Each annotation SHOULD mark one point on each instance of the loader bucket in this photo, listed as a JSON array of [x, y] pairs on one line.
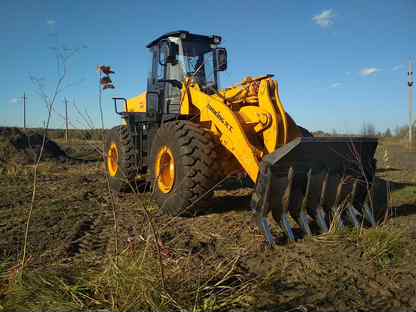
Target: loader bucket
[[319, 182]]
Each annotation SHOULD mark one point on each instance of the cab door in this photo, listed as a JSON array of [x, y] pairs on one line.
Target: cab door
[[165, 69], [155, 92], [172, 95]]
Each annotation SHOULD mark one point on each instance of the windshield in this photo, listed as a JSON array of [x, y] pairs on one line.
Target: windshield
[[198, 61]]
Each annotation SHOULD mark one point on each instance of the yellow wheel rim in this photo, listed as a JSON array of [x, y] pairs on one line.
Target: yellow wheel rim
[[112, 160], [165, 169]]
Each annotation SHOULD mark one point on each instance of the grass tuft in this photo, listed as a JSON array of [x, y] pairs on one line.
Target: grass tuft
[[381, 245], [131, 282], [42, 291]]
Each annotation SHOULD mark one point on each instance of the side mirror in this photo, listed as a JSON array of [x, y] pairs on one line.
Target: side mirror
[[167, 52], [221, 59]]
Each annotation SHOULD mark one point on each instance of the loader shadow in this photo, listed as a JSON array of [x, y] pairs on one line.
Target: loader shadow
[[404, 210], [226, 204], [91, 157], [395, 186], [234, 194], [383, 170]]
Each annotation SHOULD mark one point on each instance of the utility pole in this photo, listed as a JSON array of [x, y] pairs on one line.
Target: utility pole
[[66, 120], [24, 110], [410, 85]]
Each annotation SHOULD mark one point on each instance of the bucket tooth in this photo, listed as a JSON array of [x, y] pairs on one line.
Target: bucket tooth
[[260, 203], [352, 216], [286, 227], [302, 216], [316, 200], [303, 221], [368, 204], [282, 217], [265, 228], [369, 215], [320, 215], [353, 213], [379, 200], [320, 219], [337, 207]]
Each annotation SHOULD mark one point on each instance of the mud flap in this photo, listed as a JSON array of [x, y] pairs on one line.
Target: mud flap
[[320, 183]]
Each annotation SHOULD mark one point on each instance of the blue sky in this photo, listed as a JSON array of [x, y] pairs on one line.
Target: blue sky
[[338, 63]]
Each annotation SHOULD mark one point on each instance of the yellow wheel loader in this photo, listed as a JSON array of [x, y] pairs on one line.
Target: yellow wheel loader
[[185, 134]]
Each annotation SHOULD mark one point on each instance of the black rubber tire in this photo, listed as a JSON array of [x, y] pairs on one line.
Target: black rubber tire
[[124, 179], [197, 169], [305, 133]]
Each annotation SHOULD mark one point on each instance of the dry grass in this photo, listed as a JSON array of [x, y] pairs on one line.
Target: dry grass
[[44, 290], [129, 284], [381, 245]]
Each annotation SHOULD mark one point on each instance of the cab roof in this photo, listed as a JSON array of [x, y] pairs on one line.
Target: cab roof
[[179, 33]]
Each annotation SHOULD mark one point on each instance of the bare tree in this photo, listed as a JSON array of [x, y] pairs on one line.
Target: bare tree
[[62, 56]]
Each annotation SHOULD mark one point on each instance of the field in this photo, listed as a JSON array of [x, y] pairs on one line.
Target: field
[[77, 258]]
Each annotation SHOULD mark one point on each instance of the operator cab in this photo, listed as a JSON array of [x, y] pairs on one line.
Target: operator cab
[[175, 56]]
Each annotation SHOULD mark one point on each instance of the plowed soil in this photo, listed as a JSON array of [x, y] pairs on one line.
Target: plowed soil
[[73, 219], [22, 147]]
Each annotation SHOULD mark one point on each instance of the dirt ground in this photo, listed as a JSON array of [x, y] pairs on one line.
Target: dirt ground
[[72, 227]]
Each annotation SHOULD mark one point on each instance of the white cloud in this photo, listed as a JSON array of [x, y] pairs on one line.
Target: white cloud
[[325, 18], [335, 85], [397, 67], [13, 100], [369, 71], [51, 22]]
